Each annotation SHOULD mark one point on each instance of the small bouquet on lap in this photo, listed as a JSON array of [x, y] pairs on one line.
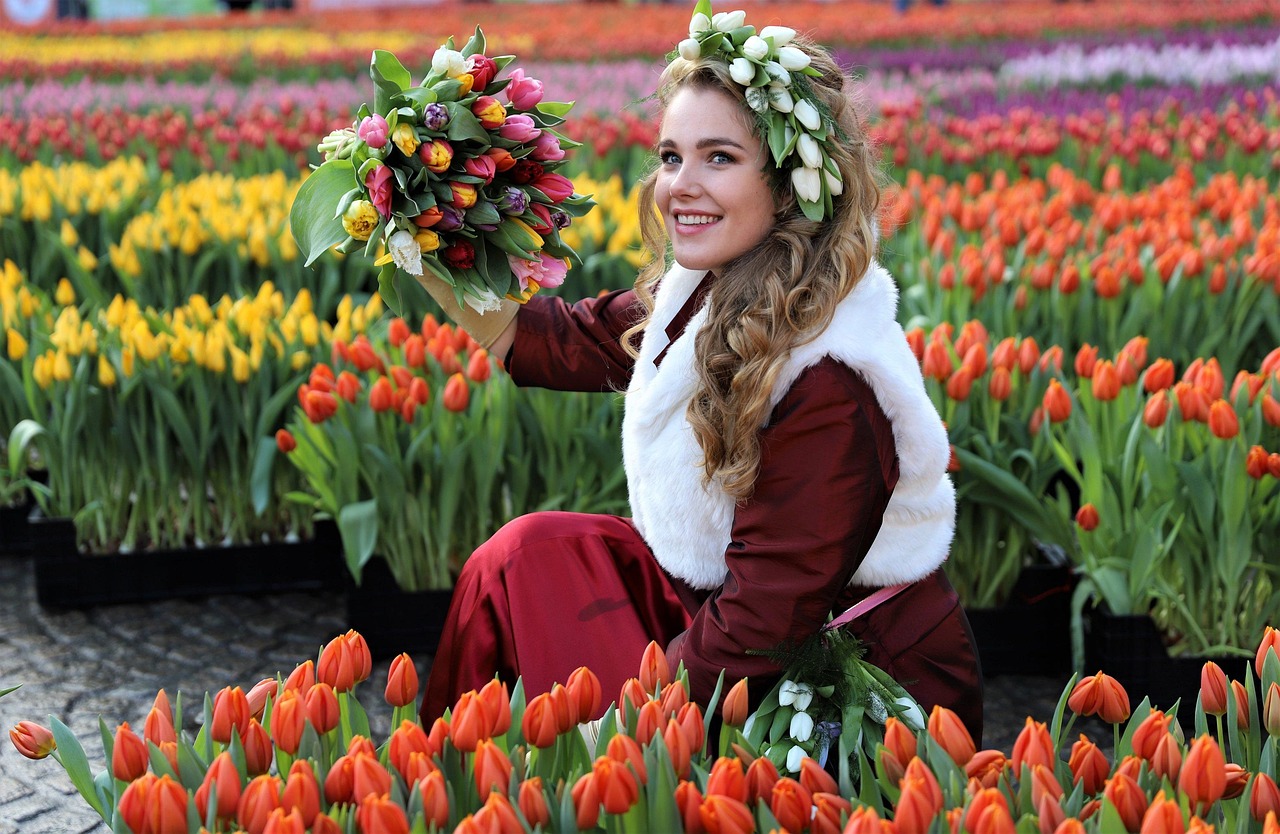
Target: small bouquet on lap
[[460, 189]]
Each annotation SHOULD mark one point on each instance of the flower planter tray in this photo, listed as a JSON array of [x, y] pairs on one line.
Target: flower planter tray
[[394, 620], [66, 578], [1031, 634], [1129, 648], [14, 537]]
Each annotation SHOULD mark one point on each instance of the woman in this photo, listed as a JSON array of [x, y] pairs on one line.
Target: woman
[[783, 461]]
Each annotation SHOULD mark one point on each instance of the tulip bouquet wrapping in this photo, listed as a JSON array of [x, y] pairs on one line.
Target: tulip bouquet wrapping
[[452, 182], [419, 451], [297, 754]]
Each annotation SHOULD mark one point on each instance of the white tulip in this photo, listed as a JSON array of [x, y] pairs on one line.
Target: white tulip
[[809, 151], [910, 713], [780, 98], [808, 115], [795, 756], [483, 301], [792, 58], [405, 251], [743, 71], [806, 183], [755, 48], [448, 62], [689, 49], [699, 23], [758, 99], [801, 726], [795, 694], [777, 73], [834, 184], [781, 35], [728, 21]]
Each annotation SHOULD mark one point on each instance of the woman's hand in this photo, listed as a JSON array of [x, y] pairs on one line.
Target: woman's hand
[[494, 329]]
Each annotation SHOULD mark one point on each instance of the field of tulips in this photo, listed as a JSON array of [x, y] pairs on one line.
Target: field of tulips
[[1085, 230]]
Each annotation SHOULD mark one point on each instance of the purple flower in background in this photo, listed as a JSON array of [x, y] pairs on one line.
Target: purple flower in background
[[513, 201], [450, 221], [435, 116]]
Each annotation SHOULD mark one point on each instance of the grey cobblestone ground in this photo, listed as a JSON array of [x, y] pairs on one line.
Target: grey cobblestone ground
[[110, 661]]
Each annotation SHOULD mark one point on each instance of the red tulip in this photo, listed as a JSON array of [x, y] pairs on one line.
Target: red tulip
[[616, 785], [623, 748], [133, 803], [1223, 421], [407, 739], [497, 705], [689, 804], [322, 708], [648, 721], [1270, 643], [1106, 381], [456, 393], [672, 697], [1156, 410], [402, 681], [1057, 402], [302, 678], [863, 820], [222, 775], [585, 694], [1265, 798], [285, 441], [258, 799], [533, 803], [435, 799], [368, 777], [727, 779], [1167, 759], [379, 815], [586, 801], [1088, 520], [382, 397], [1086, 358], [470, 722], [288, 722], [1213, 689], [1088, 765], [258, 749], [987, 767], [230, 713], [1256, 463], [492, 768], [539, 725], [760, 778], [1159, 376], [1128, 799], [1237, 780], [1000, 386], [678, 747], [339, 782], [655, 672], [1163, 817], [817, 780], [301, 792], [1148, 734], [1033, 746], [791, 804]]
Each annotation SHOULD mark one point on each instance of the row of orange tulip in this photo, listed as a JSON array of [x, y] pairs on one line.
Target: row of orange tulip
[[293, 755]]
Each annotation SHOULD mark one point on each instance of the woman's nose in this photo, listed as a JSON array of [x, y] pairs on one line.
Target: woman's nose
[[686, 182]]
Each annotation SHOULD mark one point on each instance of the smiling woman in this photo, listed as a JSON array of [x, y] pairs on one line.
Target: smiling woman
[[783, 460]]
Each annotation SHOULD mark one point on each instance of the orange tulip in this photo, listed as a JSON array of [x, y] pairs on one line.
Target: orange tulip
[[1057, 402], [1106, 381], [1256, 463], [1033, 746], [655, 671], [723, 815], [1000, 386], [533, 803], [1087, 519], [987, 766], [1148, 734], [1270, 409], [1213, 689], [540, 726], [257, 696], [585, 694], [288, 721], [829, 810], [1209, 378], [1167, 759], [435, 799], [916, 809], [1204, 775], [616, 785], [1271, 710], [1163, 817], [648, 720], [368, 777], [1044, 784], [689, 720], [672, 697], [258, 750], [980, 802], [302, 678], [339, 782], [791, 803], [498, 816], [1086, 359], [1051, 814], [946, 728], [678, 747], [497, 705], [159, 727], [1028, 355], [337, 666], [492, 768], [222, 775], [863, 820], [817, 780], [735, 708], [586, 801], [129, 756], [1271, 825], [402, 682], [1193, 403], [899, 740], [134, 801], [407, 739], [1223, 421], [359, 745], [1088, 765], [1128, 799], [1159, 376], [322, 708], [230, 713], [689, 804], [960, 383], [624, 749], [258, 799], [993, 819], [937, 362], [1270, 643], [1070, 826], [760, 778], [1101, 694], [1156, 410], [1237, 780], [456, 395], [301, 792], [379, 815], [727, 779], [470, 722], [1265, 798]]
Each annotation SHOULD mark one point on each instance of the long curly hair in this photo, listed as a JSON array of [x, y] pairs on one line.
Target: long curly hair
[[779, 295]]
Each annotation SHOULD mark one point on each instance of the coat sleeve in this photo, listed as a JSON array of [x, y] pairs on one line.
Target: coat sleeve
[[827, 468], [574, 347]]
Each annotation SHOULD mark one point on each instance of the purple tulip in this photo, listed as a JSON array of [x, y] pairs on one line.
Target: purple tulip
[[450, 220], [435, 116], [513, 201]]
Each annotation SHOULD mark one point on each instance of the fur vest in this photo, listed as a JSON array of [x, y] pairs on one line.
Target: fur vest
[[689, 525]]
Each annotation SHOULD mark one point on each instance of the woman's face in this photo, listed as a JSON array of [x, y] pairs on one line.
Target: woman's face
[[711, 188]]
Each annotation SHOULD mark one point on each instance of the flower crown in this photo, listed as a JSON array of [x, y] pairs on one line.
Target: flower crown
[[798, 128]]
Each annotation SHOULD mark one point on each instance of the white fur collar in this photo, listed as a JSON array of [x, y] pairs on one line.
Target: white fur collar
[[689, 525]]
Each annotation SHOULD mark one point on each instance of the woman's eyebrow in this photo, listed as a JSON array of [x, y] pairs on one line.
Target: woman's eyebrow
[[709, 142]]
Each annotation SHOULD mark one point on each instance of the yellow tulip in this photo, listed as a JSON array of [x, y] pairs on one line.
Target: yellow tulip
[[61, 367], [308, 329], [65, 294], [106, 373], [299, 360], [126, 361], [239, 365], [17, 345], [68, 234], [42, 371], [88, 260]]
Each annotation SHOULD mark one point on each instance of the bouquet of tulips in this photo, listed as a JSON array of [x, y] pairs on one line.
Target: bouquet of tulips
[[452, 182], [296, 754]]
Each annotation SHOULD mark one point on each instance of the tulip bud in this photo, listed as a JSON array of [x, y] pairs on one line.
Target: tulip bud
[[1089, 766], [742, 71], [807, 183], [402, 682], [793, 58], [1087, 518], [1265, 798], [1128, 799], [1213, 689], [728, 21], [582, 687], [230, 713], [755, 48], [734, 710], [1271, 710], [32, 740], [946, 728], [1204, 777], [1270, 644], [129, 756], [699, 23], [689, 49]]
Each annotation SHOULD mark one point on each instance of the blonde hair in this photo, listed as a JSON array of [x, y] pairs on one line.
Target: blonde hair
[[780, 294]]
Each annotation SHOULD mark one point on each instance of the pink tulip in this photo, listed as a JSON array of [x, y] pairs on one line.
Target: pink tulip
[[373, 131], [547, 148], [378, 181], [523, 93], [519, 128]]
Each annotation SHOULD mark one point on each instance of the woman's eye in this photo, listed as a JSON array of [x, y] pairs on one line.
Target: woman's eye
[[669, 158], [721, 158]]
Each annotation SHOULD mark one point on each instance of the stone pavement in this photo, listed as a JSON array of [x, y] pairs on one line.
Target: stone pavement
[[110, 661]]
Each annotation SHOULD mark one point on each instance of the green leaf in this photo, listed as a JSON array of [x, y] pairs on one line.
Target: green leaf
[[555, 109], [19, 439], [76, 764], [311, 217], [390, 76], [388, 289], [474, 46], [260, 481], [464, 126], [358, 526]]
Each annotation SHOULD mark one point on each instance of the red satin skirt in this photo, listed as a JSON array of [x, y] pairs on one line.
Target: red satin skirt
[[553, 591]]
